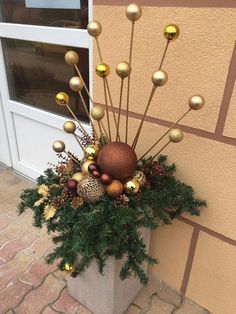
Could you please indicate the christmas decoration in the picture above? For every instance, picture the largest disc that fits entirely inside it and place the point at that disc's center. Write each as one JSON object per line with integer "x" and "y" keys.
{"x": 114, "y": 189}
{"x": 90, "y": 189}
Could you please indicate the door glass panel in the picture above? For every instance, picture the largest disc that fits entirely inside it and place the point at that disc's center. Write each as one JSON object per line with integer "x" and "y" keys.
{"x": 36, "y": 72}
{"x": 57, "y": 13}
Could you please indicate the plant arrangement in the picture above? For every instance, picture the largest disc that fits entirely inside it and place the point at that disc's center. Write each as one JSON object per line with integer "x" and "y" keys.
{"x": 96, "y": 207}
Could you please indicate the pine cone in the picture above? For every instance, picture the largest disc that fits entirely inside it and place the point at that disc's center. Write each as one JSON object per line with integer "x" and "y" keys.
{"x": 153, "y": 169}
{"x": 122, "y": 200}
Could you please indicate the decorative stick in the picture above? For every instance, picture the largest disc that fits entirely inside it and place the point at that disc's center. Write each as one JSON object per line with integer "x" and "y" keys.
{"x": 107, "y": 113}
{"x": 60, "y": 147}
{"x": 164, "y": 54}
{"x": 119, "y": 110}
{"x": 70, "y": 128}
{"x": 160, "y": 150}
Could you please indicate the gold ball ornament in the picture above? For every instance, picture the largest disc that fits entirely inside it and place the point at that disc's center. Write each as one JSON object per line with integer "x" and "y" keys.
{"x": 72, "y": 57}
{"x": 58, "y": 146}
{"x": 176, "y": 135}
{"x": 77, "y": 176}
{"x": 196, "y": 102}
{"x": 159, "y": 78}
{"x": 84, "y": 166}
{"x": 90, "y": 189}
{"x": 140, "y": 176}
{"x": 69, "y": 127}
{"x": 132, "y": 186}
{"x": 97, "y": 112}
{"x": 102, "y": 70}
{"x": 171, "y": 32}
{"x": 62, "y": 99}
{"x": 94, "y": 28}
{"x": 114, "y": 189}
{"x": 133, "y": 12}
{"x": 76, "y": 84}
{"x": 91, "y": 152}
{"x": 69, "y": 268}
{"x": 123, "y": 69}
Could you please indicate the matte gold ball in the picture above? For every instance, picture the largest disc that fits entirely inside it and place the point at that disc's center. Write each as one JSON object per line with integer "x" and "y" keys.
{"x": 140, "y": 176}
{"x": 62, "y": 99}
{"x": 133, "y": 12}
{"x": 72, "y": 57}
{"x": 97, "y": 112}
{"x": 114, "y": 189}
{"x": 94, "y": 28}
{"x": 78, "y": 176}
{"x": 90, "y": 189}
{"x": 159, "y": 78}
{"x": 84, "y": 166}
{"x": 196, "y": 102}
{"x": 76, "y": 84}
{"x": 69, "y": 127}
{"x": 132, "y": 186}
{"x": 91, "y": 152}
{"x": 123, "y": 69}
{"x": 58, "y": 146}
{"x": 171, "y": 32}
{"x": 102, "y": 70}
{"x": 176, "y": 135}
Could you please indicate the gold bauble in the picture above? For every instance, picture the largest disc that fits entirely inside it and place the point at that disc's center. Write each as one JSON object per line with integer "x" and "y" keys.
{"x": 102, "y": 70}
{"x": 123, "y": 69}
{"x": 84, "y": 166}
{"x": 196, "y": 102}
{"x": 171, "y": 32}
{"x": 62, "y": 99}
{"x": 97, "y": 112}
{"x": 76, "y": 84}
{"x": 58, "y": 146}
{"x": 176, "y": 135}
{"x": 114, "y": 189}
{"x": 132, "y": 186}
{"x": 140, "y": 176}
{"x": 133, "y": 12}
{"x": 69, "y": 127}
{"x": 94, "y": 28}
{"x": 69, "y": 268}
{"x": 77, "y": 176}
{"x": 91, "y": 152}
{"x": 159, "y": 78}
{"x": 90, "y": 189}
{"x": 71, "y": 57}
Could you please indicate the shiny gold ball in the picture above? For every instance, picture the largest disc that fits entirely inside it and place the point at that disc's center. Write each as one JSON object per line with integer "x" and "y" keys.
{"x": 133, "y": 12}
{"x": 69, "y": 127}
{"x": 140, "y": 176}
{"x": 171, "y": 32}
{"x": 69, "y": 268}
{"x": 102, "y": 70}
{"x": 132, "y": 186}
{"x": 84, "y": 166}
{"x": 123, "y": 69}
{"x": 196, "y": 102}
{"x": 90, "y": 189}
{"x": 94, "y": 28}
{"x": 58, "y": 146}
{"x": 159, "y": 78}
{"x": 97, "y": 112}
{"x": 76, "y": 84}
{"x": 72, "y": 57}
{"x": 176, "y": 135}
{"x": 91, "y": 152}
{"x": 62, "y": 99}
{"x": 77, "y": 176}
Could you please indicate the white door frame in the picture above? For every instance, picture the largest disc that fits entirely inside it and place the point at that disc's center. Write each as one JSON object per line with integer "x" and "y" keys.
{"x": 5, "y": 156}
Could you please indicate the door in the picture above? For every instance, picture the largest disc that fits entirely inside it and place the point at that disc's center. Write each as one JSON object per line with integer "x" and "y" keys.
{"x": 35, "y": 34}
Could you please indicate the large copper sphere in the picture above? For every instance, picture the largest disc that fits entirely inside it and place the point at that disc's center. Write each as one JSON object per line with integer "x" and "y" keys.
{"x": 171, "y": 32}
{"x": 76, "y": 84}
{"x": 159, "y": 78}
{"x": 176, "y": 135}
{"x": 117, "y": 159}
{"x": 72, "y": 57}
{"x": 196, "y": 102}
{"x": 94, "y": 28}
{"x": 133, "y": 12}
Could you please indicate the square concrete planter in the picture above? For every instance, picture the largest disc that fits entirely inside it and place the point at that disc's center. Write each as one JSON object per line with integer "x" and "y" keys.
{"x": 106, "y": 294}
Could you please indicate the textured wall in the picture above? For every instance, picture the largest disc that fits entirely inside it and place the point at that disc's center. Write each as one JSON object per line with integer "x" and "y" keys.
{"x": 197, "y": 255}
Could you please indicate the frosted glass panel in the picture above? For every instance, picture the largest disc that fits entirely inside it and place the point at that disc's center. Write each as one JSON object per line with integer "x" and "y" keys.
{"x": 53, "y": 4}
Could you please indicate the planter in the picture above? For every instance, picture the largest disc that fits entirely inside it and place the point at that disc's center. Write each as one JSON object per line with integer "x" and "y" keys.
{"x": 106, "y": 294}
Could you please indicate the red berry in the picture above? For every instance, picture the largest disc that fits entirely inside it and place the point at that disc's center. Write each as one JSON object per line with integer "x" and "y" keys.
{"x": 106, "y": 178}
{"x": 72, "y": 184}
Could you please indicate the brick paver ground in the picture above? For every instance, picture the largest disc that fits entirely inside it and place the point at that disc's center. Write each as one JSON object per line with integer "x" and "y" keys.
{"x": 29, "y": 286}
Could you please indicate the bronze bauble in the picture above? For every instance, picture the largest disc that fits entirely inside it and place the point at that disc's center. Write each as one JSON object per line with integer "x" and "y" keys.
{"x": 62, "y": 99}
{"x": 196, "y": 102}
{"x": 133, "y": 12}
{"x": 90, "y": 189}
{"x": 77, "y": 176}
{"x": 71, "y": 57}
{"x": 58, "y": 146}
{"x": 97, "y": 112}
{"x": 94, "y": 28}
{"x": 117, "y": 159}
{"x": 176, "y": 135}
{"x": 76, "y": 84}
{"x": 114, "y": 189}
{"x": 159, "y": 78}
{"x": 106, "y": 178}
{"x": 123, "y": 69}
{"x": 131, "y": 186}
{"x": 84, "y": 166}
{"x": 171, "y": 32}
{"x": 102, "y": 70}
{"x": 91, "y": 152}
{"x": 69, "y": 127}
{"x": 140, "y": 176}
{"x": 72, "y": 184}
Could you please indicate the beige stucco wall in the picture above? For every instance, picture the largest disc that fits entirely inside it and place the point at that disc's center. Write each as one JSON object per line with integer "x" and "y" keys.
{"x": 197, "y": 255}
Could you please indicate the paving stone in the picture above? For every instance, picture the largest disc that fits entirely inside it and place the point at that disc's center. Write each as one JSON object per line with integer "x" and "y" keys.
{"x": 170, "y": 295}
{"x": 190, "y": 307}
{"x": 3, "y": 240}
{"x": 133, "y": 310}
{"x": 160, "y": 307}
{"x": 49, "y": 310}
{"x": 35, "y": 301}
{"x": 60, "y": 275}
{"x": 5, "y": 221}
{"x": 83, "y": 310}
{"x": 66, "y": 304}
{"x": 41, "y": 246}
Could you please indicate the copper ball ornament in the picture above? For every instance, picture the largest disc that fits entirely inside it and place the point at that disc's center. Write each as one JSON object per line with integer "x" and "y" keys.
{"x": 133, "y": 12}
{"x": 90, "y": 189}
{"x": 69, "y": 127}
{"x": 196, "y": 102}
{"x": 176, "y": 135}
{"x": 77, "y": 176}
{"x": 62, "y": 99}
{"x": 141, "y": 177}
{"x": 106, "y": 178}
{"x": 85, "y": 165}
{"x": 76, "y": 84}
{"x": 171, "y": 32}
{"x": 72, "y": 57}
{"x": 131, "y": 186}
{"x": 114, "y": 189}
{"x": 91, "y": 152}
{"x": 96, "y": 173}
{"x": 97, "y": 112}
{"x": 123, "y": 69}
{"x": 94, "y": 28}
{"x": 159, "y": 78}
{"x": 102, "y": 70}
{"x": 58, "y": 146}
{"x": 72, "y": 184}
{"x": 118, "y": 159}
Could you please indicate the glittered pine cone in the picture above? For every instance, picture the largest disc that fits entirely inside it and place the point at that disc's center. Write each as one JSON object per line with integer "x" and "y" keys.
{"x": 90, "y": 189}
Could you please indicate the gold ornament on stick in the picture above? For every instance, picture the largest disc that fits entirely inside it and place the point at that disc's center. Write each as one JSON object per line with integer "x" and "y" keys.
{"x": 171, "y": 32}
{"x": 196, "y": 102}
{"x": 97, "y": 112}
{"x": 102, "y": 70}
{"x": 76, "y": 84}
{"x": 72, "y": 57}
{"x": 133, "y": 12}
{"x": 91, "y": 152}
{"x": 59, "y": 147}
{"x": 159, "y": 78}
{"x": 94, "y": 28}
{"x": 62, "y": 99}
{"x": 69, "y": 127}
